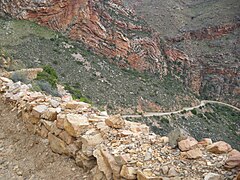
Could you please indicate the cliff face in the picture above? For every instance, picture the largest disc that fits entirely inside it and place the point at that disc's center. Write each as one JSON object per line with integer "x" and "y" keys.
{"x": 110, "y": 29}
{"x": 104, "y": 26}
{"x": 214, "y": 53}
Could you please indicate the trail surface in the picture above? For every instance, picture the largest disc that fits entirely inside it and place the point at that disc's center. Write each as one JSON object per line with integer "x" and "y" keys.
{"x": 202, "y": 103}
{"x": 27, "y": 156}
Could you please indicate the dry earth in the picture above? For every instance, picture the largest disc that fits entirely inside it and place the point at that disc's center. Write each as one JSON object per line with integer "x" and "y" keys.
{"x": 26, "y": 156}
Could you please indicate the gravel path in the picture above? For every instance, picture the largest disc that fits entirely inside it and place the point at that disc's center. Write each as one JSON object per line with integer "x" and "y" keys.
{"x": 27, "y": 156}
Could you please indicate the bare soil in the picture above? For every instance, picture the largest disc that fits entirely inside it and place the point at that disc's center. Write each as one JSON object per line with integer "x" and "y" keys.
{"x": 26, "y": 156}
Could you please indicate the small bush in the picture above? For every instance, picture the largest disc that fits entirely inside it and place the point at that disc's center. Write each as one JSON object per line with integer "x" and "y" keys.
{"x": 19, "y": 76}
{"x": 45, "y": 86}
{"x": 194, "y": 111}
{"x": 77, "y": 94}
{"x": 165, "y": 120}
{"x": 49, "y": 75}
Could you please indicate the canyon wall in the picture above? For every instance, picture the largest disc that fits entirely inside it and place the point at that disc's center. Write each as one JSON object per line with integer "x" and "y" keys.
{"x": 112, "y": 30}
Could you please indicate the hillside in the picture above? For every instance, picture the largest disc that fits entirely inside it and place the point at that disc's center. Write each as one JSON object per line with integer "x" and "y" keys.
{"x": 104, "y": 83}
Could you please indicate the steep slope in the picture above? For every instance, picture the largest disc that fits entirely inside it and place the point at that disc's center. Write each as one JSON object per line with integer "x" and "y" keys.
{"x": 119, "y": 90}
{"x": 208, "y": 33}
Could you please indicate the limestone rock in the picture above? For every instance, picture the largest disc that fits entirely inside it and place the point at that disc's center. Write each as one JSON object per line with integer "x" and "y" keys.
{"x": 66, "y": 137}
{"x": 44, "y": 132}
{"x": 50, "y": 114}
{"x": 187, "y": 144}
{"x": 102, "y": 164}
{"x": 37, "y": 111}
{"x": 90, "y": 141}
{"x": 122, "y": 159}
{"x": 233, "y": 159}
{"x": 112, "y": 162}
{"x": 172, "y": 172}
{"x": 219, "y": 147}
{"x": 128, "y": 172}
{"x": 165, "y": 169}
{"x": 77, "y": 105}
{"x": 76, "y": 124}
{"x": 57, "y": 145}
{"x": 115, "y": 121}
{"x": 54, "y": 103}
{"x": 205, "y": 142}
{"x": 60, "y": 120}
{"x": 212, "y": 176}
{"x": 142, "y": 176}
{"x": 194, "y": 153}
{"x": 72, "y": 150}
{"x": 84, "y": 161}
{"x": 96, "y": 174}
{"x": 175, "y": 136}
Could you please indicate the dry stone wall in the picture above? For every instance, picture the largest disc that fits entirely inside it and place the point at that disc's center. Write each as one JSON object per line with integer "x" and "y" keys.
{"x": 110, "y": 147}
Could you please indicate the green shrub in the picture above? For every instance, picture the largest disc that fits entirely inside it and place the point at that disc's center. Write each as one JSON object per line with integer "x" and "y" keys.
{"x": 77, "y": 94}
{"x": 194, "y": 111}
{"x": 49, "y": 75}
{"x": 165, "y": 120}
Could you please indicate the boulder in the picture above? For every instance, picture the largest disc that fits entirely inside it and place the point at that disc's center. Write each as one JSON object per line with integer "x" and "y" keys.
{"x": 57, "y": 145}
{"x": 219, "y": 147}
{"x": 76, "y": 124}
{"x": 128, "y": 172}
{"x": 115, "y": 121}
{"x": 194, "y": 153}
{"x": 103, "y": 165}
{"x": 233, "y": 159}
{"x": 212, "y": 176}
{"x": 90, "y": 141}
{"x": 175, "y": 136}
{"x": 187, "y": 144}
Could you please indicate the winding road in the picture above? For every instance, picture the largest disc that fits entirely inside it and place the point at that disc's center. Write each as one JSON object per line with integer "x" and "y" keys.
{"x": 202, "y": 103}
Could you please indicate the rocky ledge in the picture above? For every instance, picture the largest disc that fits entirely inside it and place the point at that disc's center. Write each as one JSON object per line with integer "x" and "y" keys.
{"x": 110, "y": 147}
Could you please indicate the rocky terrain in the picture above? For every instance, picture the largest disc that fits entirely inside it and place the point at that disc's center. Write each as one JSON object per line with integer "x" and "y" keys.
{"x": 129, "y": 57}
{"x": 26, "y": 156}
{"x": 109, "y": 146}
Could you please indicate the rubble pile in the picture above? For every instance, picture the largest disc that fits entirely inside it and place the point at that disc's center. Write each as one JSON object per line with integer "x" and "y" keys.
{"x": 110, "y": 147}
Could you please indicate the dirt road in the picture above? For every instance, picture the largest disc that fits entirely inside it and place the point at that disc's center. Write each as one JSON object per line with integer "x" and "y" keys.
{"x": 27, "y": 156}
{"x": 203, "y": 103}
